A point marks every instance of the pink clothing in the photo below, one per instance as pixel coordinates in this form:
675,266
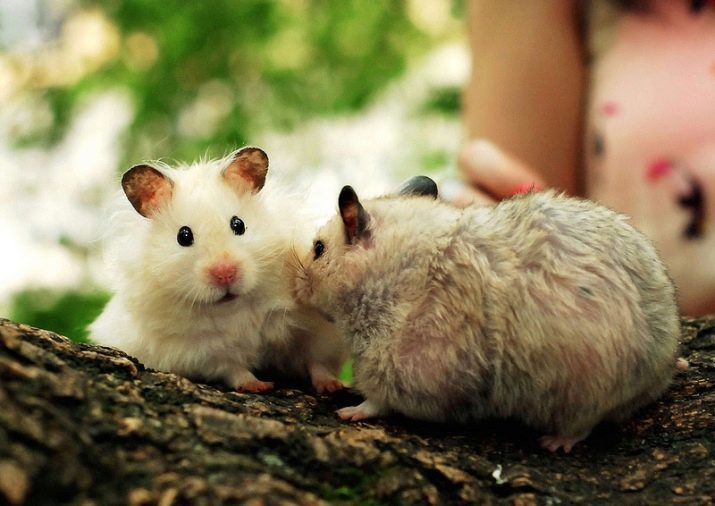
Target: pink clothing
651,134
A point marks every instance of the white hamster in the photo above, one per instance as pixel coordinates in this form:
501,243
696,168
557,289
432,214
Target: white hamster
202,257
546,309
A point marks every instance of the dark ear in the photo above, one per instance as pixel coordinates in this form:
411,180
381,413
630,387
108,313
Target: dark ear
354,215
420,186
248,167
147,189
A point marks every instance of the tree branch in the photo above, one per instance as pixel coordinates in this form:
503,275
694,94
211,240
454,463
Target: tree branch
82,423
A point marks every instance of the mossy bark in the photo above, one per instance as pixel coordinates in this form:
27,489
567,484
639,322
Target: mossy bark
83,424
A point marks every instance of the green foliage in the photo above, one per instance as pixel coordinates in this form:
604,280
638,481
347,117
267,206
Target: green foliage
445,101
255,65
277,63
354,484
67,313
346,373
434,160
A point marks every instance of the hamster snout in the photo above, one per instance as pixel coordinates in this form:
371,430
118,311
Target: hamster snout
223,274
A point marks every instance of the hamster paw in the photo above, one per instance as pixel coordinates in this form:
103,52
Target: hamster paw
361,412
328,385
323,380
682,364
255,386
553,443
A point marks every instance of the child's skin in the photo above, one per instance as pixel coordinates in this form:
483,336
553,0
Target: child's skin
527,90
631,128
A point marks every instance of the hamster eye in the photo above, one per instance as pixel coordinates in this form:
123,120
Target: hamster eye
237,225
185,237
318,249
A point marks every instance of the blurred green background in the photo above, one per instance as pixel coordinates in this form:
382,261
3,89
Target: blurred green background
201,78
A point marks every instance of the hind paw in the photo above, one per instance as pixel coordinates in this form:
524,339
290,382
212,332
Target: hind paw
553,443
361,412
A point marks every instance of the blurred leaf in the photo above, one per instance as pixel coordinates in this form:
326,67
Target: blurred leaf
66,313
346,373
284,61
205,77
444,101
434,160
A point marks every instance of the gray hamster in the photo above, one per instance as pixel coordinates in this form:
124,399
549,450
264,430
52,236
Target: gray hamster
202,257
546,309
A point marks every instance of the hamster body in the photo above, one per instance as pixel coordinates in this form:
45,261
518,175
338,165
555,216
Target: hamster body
201,257
546,309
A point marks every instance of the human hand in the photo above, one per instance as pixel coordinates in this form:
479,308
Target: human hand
491,175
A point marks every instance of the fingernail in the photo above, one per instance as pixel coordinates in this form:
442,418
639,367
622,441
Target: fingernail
658,169
526,188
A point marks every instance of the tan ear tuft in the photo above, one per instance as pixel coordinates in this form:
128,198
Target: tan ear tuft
248,167
147,189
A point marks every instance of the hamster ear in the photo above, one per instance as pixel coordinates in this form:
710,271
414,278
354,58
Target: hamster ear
419,186
355,218
147,189
249,166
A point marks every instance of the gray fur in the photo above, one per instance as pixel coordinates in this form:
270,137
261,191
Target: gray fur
544,308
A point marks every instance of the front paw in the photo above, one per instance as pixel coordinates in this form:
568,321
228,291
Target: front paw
328,385
255,386
323,380
243,380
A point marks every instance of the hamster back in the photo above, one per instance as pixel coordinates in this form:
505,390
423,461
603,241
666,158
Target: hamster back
544,308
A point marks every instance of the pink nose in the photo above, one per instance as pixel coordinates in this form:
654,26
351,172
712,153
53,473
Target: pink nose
223,274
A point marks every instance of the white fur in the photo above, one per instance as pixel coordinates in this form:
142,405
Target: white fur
551,310
165,311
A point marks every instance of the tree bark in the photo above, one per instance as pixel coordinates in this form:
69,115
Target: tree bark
83,424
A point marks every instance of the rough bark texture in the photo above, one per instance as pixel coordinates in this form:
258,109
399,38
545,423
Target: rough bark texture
85,424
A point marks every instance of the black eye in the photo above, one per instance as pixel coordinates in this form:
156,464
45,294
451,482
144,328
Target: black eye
185,237
237,225
318,249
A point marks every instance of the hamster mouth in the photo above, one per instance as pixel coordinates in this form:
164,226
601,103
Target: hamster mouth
227,297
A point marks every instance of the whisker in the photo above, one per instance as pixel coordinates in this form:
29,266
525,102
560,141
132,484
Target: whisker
285,317
295,261
191,297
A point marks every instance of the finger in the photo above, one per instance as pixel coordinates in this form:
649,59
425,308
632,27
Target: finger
460,195
488,168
